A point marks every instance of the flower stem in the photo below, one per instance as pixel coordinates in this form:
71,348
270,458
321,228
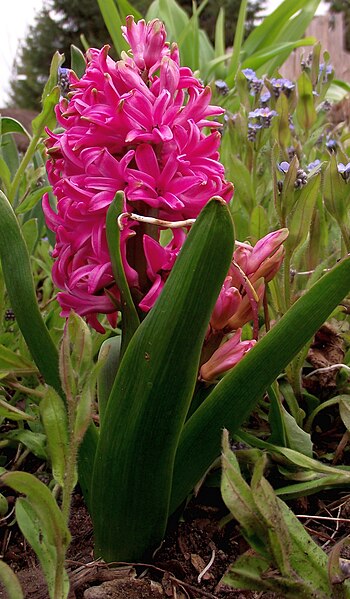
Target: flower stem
22,167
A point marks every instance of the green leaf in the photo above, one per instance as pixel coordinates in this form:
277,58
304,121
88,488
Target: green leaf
10,361
78,62
10,125
10,153
42,502
243,182
30,233
259,224
54,417
299,220
110,356
5,174
32,199
35,442
249,572
276,532
130,319
344,410
125,9
237,44
145,413
335,191
20,287
239,499
76,361
296,437
113,22
232,400
259,60
286,24
220,47
10,582
13,413
49,98
33,528
305,110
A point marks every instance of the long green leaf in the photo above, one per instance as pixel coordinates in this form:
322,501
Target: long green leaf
125,9
130,319
20,287
269,31
151,396
259,59
235,396
113,22
237,44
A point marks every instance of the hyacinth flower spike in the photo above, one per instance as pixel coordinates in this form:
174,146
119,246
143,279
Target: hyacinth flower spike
140,126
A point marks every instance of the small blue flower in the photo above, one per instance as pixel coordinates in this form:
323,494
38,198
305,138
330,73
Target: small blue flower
312,165
63,80
332,145
283,167
222,87
249,74
265,98
263,115
253,128
255,86
344,170
326,72
282,85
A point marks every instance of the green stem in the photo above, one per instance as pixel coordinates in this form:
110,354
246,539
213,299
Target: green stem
22,167
286,274
345,236
71,463
59,577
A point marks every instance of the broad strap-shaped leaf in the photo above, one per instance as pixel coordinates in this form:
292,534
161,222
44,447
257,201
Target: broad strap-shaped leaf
151,395
274,25
130,319
232,400
113,22
237,44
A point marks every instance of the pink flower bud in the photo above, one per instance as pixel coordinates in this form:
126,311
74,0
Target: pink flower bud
244,312
226,305
264,249
225,357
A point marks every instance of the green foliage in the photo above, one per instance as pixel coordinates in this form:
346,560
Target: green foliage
145,414
283,558
41,521
133,468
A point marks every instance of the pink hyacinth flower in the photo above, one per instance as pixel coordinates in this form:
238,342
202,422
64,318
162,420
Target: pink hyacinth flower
226,305
143,125
265,258
225,357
